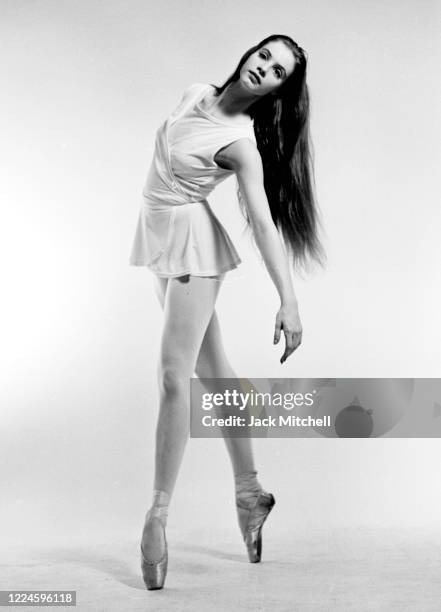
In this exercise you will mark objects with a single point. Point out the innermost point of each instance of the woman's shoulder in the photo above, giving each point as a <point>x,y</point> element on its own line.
<point>242,154</point>
<point>194,88</point>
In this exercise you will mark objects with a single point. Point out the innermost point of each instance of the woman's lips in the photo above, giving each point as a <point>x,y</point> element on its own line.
<point>255,77</point>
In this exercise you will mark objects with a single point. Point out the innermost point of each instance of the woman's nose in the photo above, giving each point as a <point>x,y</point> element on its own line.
<point>261,71</point>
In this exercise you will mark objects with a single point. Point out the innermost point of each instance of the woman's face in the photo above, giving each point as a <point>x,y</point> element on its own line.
<point>267,68</point>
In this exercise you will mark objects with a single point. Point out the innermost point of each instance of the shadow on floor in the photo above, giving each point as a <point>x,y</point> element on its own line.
<point>114,567</point>
<point>212,552</point>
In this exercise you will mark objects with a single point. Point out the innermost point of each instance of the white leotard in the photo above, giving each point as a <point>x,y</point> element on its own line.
<point>177,231</point>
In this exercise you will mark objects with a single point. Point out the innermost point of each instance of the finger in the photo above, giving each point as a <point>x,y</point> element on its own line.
<point>289,346</point>
<point>277,332</point>
<point>297,340</point>
<point>292,343</point>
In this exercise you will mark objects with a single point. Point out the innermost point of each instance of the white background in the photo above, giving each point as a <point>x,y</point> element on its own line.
<point>85,84</point>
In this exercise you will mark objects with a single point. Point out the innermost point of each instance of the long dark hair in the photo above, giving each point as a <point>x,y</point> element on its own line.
<point>281,127</point>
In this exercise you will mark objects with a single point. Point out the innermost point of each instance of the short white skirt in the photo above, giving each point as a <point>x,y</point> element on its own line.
<point>177,240</point>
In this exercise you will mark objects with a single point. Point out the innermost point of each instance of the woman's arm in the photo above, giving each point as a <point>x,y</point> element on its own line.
<point>243,157</point>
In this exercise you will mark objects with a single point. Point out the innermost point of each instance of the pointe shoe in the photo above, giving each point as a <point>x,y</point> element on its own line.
<point>251,520</point>
<point>154,572</point>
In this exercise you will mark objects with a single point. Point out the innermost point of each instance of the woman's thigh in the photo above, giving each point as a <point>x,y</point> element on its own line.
<point>161,285</point>
<point>161,289</point>
<point>212,361</point>
<point>188,304</point>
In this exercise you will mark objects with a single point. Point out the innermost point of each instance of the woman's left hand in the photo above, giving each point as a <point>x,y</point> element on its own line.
<point>288,320</point>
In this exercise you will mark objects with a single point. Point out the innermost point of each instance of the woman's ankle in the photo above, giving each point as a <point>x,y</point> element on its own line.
<point>247,487</point>
<point>159,507</point>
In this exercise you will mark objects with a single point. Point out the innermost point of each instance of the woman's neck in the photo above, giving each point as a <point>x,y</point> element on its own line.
<point>233,101</point>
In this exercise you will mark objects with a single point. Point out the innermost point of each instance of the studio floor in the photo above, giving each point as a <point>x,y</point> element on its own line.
<point>343,570</point>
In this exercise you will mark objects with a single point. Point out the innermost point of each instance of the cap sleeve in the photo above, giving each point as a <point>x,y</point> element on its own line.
<point>192,89</point>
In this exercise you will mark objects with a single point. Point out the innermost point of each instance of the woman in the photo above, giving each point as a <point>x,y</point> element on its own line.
<point>256,127</point>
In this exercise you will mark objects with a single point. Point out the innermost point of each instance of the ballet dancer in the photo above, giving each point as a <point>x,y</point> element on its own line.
<point>256,127</point>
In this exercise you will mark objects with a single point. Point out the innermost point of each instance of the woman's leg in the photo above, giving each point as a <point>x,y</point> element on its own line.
<point>188,304</point>
<point>188,307</point>
<point>253,504</point>
<point>212,362</point>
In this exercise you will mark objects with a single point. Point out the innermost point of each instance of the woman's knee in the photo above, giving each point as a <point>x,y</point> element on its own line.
<point>173,380</point>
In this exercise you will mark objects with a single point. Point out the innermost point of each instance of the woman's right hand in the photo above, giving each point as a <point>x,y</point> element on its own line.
<point>288,320</point>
